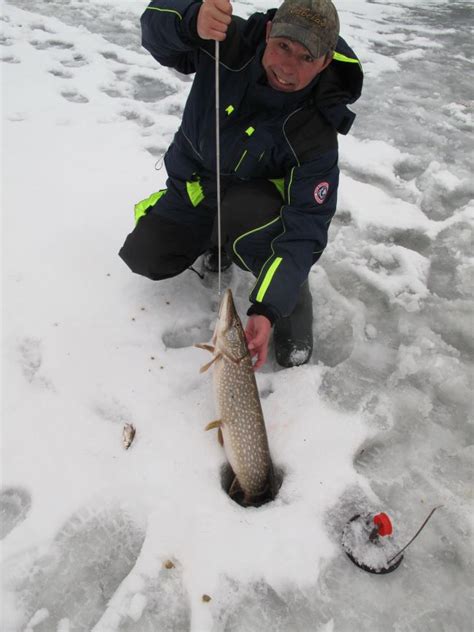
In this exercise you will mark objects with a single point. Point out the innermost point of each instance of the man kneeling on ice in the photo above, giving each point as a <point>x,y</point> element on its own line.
<point>286,78</point>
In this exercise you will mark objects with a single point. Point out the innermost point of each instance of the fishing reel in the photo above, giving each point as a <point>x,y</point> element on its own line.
<point>368,542</point>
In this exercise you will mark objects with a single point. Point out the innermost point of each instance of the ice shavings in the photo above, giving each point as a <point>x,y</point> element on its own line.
<point>416,53</point>
<point>439,175</point>
<point>377,554</point>
<point>398,272</point>
<point>461,112</point>
<point>39,616</point>
<point>369,205</point>
<point>370,158</point>
<point>442,192</point>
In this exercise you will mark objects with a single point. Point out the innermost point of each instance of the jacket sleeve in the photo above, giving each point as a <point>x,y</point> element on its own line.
<point>169,33</point>
<point>311,197</point>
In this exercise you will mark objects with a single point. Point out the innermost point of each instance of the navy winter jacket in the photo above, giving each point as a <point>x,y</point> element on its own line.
<point>290,138</point>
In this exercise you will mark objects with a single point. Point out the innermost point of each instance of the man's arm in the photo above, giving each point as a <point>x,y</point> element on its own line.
<point>169,32</point>
<point>173,29</point>
<point>311,197</point>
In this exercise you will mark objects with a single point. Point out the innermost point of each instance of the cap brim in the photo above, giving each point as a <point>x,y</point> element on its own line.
<point>314,44</point>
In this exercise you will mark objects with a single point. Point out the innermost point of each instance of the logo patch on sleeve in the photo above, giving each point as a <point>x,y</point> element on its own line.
<point>321,192</point>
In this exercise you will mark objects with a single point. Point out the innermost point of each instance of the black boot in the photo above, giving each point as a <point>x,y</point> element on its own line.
<point>210,260</point>
<point>293,334</point>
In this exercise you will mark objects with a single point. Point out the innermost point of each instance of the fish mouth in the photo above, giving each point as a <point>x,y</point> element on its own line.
<point>227,311</point>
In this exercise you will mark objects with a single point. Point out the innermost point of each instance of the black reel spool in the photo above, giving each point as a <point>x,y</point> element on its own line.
<point>368,544</point>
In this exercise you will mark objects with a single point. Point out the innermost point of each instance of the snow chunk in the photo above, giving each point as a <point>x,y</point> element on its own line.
<point>39,616</point>
<point>137,606</point>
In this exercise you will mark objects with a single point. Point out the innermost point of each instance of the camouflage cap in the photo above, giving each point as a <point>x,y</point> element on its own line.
<point>313,23</point>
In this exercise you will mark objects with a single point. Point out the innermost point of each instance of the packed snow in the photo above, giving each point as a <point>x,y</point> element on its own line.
<point>99,538</point>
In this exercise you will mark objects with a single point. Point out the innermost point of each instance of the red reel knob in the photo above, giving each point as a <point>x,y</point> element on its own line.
<point>383,524</point>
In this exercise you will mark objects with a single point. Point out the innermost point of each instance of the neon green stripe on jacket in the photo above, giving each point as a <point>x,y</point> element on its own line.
<point>166,11</point>
<point>250,232</point>
<point>195,192</point>
<point>347,60</point>
<point>268,279</point>
<point>142,207</point>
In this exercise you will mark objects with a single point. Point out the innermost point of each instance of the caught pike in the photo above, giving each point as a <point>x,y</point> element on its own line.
<point>241,425</point>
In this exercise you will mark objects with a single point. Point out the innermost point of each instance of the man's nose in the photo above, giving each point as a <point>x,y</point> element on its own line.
<point>288,66</point>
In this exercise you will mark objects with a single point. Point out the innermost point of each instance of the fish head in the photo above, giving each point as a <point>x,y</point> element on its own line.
<point>229,335</point>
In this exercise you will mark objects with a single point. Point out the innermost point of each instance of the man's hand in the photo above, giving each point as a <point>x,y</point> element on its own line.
<point>257,333</point>
<point>213,19</point>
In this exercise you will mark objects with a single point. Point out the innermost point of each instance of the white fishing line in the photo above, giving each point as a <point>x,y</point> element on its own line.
<point>218,173</point>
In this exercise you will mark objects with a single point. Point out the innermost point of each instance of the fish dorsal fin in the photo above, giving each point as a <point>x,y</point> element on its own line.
<point>204,368</point>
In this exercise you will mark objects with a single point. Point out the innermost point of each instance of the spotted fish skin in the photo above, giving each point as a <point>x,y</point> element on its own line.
<point>240,412</point>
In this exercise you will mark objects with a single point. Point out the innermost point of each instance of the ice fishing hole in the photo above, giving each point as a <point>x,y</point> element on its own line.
<point>227,477</point>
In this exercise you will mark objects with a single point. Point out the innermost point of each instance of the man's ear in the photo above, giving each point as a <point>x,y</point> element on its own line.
<point>327,61</point>
<point>268,30</point>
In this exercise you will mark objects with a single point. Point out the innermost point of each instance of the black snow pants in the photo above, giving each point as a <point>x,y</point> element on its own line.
<point>173,232</point>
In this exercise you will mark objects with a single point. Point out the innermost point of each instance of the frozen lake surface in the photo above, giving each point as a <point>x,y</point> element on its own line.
<point>380,420</point>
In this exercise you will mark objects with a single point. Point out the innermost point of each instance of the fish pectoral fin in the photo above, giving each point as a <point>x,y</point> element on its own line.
<point>220,437</point>
<point>205,346</point>
<point>214,424</point>
<point>207,366</point>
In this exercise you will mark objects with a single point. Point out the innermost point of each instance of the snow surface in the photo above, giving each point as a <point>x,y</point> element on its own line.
<point>380,420</point>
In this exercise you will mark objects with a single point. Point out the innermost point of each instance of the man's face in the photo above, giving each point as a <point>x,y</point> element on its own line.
<point>289,65</point>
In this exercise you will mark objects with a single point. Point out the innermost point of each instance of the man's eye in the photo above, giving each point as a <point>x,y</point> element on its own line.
<point>308,59</point>
<point>283,46</point>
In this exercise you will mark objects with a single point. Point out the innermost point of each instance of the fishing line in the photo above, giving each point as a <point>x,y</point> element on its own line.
<point>218,172</point>
<point>415,536</point>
